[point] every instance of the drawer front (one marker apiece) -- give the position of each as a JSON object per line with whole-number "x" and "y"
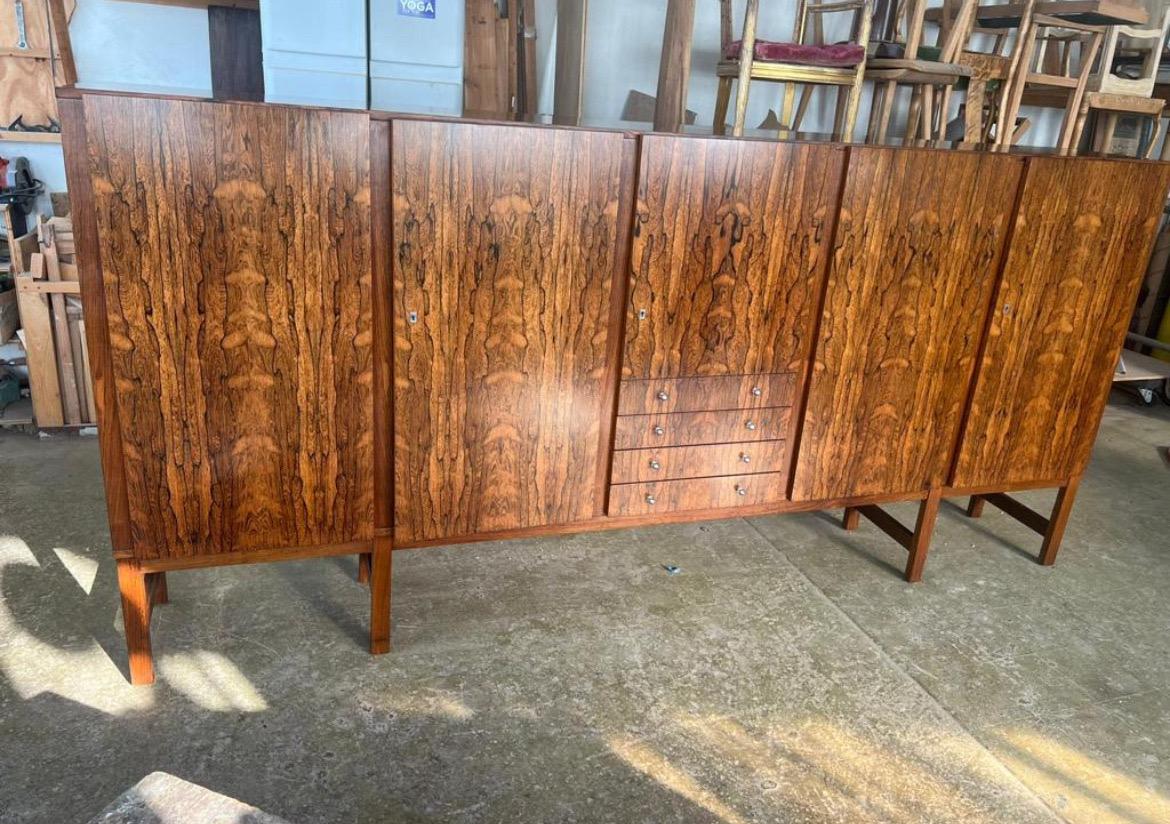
{"x": 685, "y": 428}
{"x": 697, "y": 394}
{"x": 695, "y": 493}
{"x": 633, "y": 465}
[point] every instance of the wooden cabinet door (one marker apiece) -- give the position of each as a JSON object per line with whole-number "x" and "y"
{"x": 729, "y": 253}
{"x": 235, "y": 251}
{"x": 916, "y": 256}
{"x": 506, "y": 239}
{"x": 1079, "y": 251}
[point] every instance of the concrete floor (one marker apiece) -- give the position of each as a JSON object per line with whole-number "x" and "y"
{"x": 786, "y": 674}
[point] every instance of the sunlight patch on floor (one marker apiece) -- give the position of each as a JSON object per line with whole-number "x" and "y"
{"x": 32, "y": 666}
{"x": 211, "y": 681}
{"x": 1086, "y": 789}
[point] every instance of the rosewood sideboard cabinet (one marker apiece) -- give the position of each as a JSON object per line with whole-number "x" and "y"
{"x": 317, "y": 332}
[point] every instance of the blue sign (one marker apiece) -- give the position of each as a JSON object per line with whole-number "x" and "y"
{"x": 417, "y": 8}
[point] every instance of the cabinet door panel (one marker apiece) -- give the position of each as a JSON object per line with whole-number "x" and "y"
{"x": 1079, "y": 251}
{"x": 235, "y": 252}
{"x": 729, "y": 253}
{"x": 917, "y": 250}
{"x": 505, "y": 241}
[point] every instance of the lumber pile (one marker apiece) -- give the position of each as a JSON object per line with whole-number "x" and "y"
{"x": 48, "y": 296}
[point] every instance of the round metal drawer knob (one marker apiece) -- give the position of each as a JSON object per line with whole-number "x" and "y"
{"x": 740, "y": 490}
{"x": 658, "y": 430}
{"x": 751, "y": 425}
{"x": 745, "y": 457}
{"x": 662, "y": 396}
{"x": 757, "y": 391}
{"x": 650, "y": 499}
{"x": 655, "y": 465}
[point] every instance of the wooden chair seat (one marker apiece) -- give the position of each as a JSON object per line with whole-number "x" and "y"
{"x": 795, "y": 72}
{"x": 831, "y": 55}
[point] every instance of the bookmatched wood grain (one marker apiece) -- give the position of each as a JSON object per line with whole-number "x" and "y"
{"x": 916, "y": 257}
{"x": 672, "y": 462}
{"x": 235, "y": 250}
{"x": 729, "y": 255}
{"x": 696, "y": 394}
{"x": 1078, "y": 254}
{"x": 717, "y": 426}
{"x": 696, "y": 494}
{"x": 505, "y": 239}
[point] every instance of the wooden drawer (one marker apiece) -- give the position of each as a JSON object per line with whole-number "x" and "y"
{"x": 698, "y": 394}
{"x": 695, "y": 493}
{"x": 685, "y": 428}
{"x": 632, "y": 465}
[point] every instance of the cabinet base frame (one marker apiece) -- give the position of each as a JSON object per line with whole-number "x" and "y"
{"x": 916, "y": 542}
{"x": 1051, "y": 527}
{"x": 143, "y": 582}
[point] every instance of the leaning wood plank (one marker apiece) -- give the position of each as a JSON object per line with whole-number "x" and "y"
{"x": 570, "y": 61}
{"x": 38, "y": 344}
{"x": 69, "y": 395}
{"x": 78, "y": 362}
{"x": 90, "y": 402}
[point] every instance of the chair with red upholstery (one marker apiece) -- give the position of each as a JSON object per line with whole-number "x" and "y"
{"x": 808, "y": 61}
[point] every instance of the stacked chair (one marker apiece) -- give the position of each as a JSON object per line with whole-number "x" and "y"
{"x": 808, "y": 61}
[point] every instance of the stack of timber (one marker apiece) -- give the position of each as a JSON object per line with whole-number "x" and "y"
{"x": 53, "y": 330}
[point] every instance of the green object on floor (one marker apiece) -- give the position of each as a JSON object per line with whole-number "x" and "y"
{"x": 9, "y": 390}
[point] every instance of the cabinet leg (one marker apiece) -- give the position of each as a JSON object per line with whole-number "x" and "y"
{"x": 156, "y": 584}
{"x": 1057, "y": 521}
{"x": 364, "y": 561}
{"x": 975, "y": 506}
{"x": 851, "y": 518}
{"x": 136, "y": 618}
{"x": 380, "y": 597}
{"x": 920, "y": 543}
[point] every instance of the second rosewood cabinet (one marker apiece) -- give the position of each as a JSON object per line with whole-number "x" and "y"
{"x": 915, "y": 261}
{"x": 506, "y": 242}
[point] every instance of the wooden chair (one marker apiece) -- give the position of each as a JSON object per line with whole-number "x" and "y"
{"x": 1056, "y": 55}
{"x": 1115, "y": 95}
{"x": 808, "y": 61}
{"x": 924, "y": 66}
{"x": 992, "y": 67}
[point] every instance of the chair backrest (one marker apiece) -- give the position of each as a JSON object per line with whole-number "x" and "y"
{"x": 808, "y": 26}
{"x": 1059, "y": 50}
{"x": 1140, "y": 48}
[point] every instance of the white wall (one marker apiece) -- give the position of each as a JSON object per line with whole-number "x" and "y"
{"x": 315, "y": 52}
{"x": 124, "y": 45}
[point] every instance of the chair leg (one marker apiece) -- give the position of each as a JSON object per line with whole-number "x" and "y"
{"x": 1057, "y": 521}
{"x": 380, "y": 597}
{"x": 923, "y": 528}
{"x": 913, "y": 114}
{"x": 1155, "y": 134}
{"x": 136, "y": 620}
{"x": 888, "y": 95}
{"x": 722, "y": 101}
{"x": 806, "y": 92}
{"x": 365, "y": 559}
{"x": 840, "y": 107}
{"x": 1079, "y": 130}
{"x": 786, "y": 104}
{"x": 1107, "y": 132}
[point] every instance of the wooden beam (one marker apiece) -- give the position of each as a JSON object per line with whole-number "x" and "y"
{"x": 888, "y": 524}
{"x": 570, "y": 61}
{"x": 1021, "y": 512}
{"x": 674, "y": 71}
{"x": 60, "y": 22}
